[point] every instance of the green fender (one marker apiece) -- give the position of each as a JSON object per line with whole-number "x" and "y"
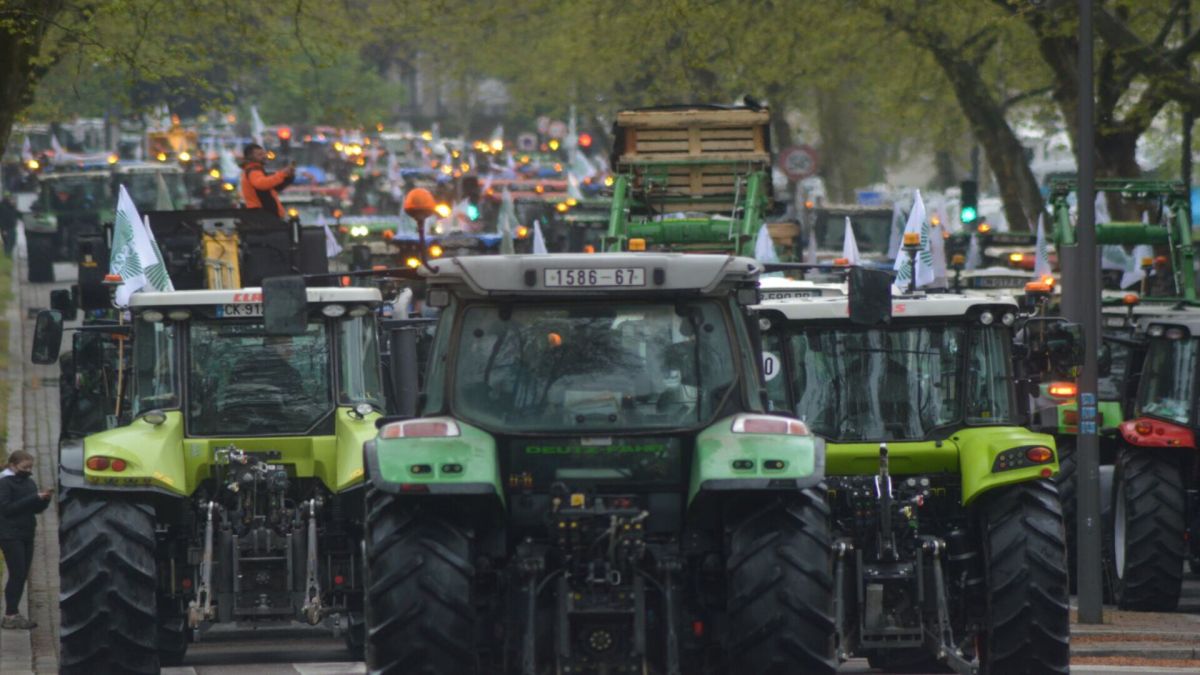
{"x": 978, "y": 448}
{"x": 466, "y": 464}
{"x": 718, "y": 448}
{"x": 1108, "y": 416}
{"x": 159, "y": 457}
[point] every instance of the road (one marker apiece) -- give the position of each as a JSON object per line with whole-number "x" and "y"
{"x": 307, "y": 651}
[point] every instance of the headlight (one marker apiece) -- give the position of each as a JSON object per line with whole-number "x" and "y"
{"x": 986, "y": 318}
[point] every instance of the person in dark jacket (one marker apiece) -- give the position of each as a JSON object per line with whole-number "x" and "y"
{"x": 20, "y": 502}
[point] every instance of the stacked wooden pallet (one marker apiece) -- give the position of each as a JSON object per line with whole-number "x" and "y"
{"x": 695, "y": 159}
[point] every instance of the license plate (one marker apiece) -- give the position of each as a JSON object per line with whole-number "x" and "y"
{"x": 233, "y": 310}
{"x": 593, "y": 278}
{"x": 1000, "y": 282}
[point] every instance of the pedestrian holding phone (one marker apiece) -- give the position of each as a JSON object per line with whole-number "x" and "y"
{"x": 20, "y": 502}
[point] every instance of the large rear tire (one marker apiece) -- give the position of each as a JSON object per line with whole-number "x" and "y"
{"x": 420, "y": 616}
{"x": 1065, "y": 481}
{"x": 1148, "y": 519}
{"x": 1028, "y": 617}
{"x": 108, "y": 581}
{"x": 780, "y": 585}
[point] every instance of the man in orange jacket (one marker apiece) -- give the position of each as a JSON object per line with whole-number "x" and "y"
{"x": 260, "y": 190}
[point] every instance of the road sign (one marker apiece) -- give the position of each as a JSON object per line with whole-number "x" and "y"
{"x": 798, "y": 162}
{"x": 527, "y": 142}
{"x": 558, "y": 129}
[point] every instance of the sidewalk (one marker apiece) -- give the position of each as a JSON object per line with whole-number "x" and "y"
{"x": 33, "y": 423}
{"x": 1149, "y": 639}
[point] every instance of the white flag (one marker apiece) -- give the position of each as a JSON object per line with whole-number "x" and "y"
{"x": 162, "y": 197}
{"x": 26, "y": 150}
{"x": 974, "y": 254}
{"x": 917, "y": 224}
{"x": 573, "y": 190}
{"x": 507, "y": 221}
{"x": 135, "y": 256}
{"x": 1102, "y": 215}
{"x": 1134, "y": 273}
{"x": 332, "y": 247}
{"x": 850, "y": 245}
{"x": 810, "y": 249}
{"x": 894, "y": 236}
{"x": 764, "y": 248}
{"x": 256, "y": 125}
{"x": 539, "y": 242}
{"x": 1041, "y": 255}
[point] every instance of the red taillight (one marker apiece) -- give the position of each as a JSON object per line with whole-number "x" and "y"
{"x": 414, "y": 488}
{"x": 186, "y": 583}
{"x": 1062, "y": 389}
{"x": 117, "y": 465}
{"x": 97, "y": 463}
{"x": 768, "y": 424}
{"x": 1157, "y": 434}
{"x": 1039, "y": 455}
{"x": 433, "y": 427}
{"x": 698, "y": 628}
{"x": 338, "y": 580}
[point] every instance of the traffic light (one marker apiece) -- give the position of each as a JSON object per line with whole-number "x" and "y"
{"x": 969, "y": 212}
{"x": 585, "y": 140}
{"x": 285, "y": 140}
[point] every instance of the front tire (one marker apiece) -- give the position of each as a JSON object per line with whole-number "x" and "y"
{"x": 108, "y": 579}
{"x": 1149, "y": 546}
{"x": 780, "y": 585}
{"x": 420, "y": 616}
{"x": 1028, "y": 616}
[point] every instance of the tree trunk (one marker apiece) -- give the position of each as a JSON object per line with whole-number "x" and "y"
{"x": 23, "y": 29}
{"x": 1005, "y": 154}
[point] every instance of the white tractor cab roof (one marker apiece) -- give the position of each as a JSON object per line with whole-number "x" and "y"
{"x": 945, "y": 305}
{"x": 248, "y": 301}
{"x": 997, "y": 279}
{"x": 782, "y": 289}
{"x": 608, "y": 275}
{"x": 1137, "y": 317}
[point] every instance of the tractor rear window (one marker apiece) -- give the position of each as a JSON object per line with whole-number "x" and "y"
{"x": 243, "y": 382}
{"x": 904, "y": 383}
{"x": 593, "y": 366}
{"x": 1168, "y": 380}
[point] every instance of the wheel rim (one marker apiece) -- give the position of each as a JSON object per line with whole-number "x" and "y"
{"x": 1119, "y": 530}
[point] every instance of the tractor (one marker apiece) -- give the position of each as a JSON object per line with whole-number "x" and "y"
{"x": 948, "y": 539}
{"x": 589, "y": 482}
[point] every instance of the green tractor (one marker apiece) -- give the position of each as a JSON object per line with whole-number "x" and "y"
{"x": 948, "y": 538}
{"x": 591, "y": 483}
{"x": 230, "y": 489}
{"x": 1143, "y": 487}
{"x": 690, "y": 179}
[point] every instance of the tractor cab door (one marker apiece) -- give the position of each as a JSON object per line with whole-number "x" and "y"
{"x": 406, "y": 344}
{"x": 88, "y": 383}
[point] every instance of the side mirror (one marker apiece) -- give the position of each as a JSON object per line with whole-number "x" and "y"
{"x": 870, "y": 296}
{"x": 47, "y": 336}
{"x": 63, "y": 301}
{"x": 285, "y": 306}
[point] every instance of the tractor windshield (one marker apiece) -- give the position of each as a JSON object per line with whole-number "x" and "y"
{"x": 74, "y": 194}
{"x": 589, "y": 367}
{"x": 1168, "y": 380}
{"x": 144, "y": 189}
{"x": 243, "y": 382}
{"x": 903, "y": 383}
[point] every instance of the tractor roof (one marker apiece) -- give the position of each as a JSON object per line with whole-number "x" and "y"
{"x": 948, "y": 305}
{"x": 543, "y": 275}
{"x": 316, "y": 295}
{"x": 1189, "y": 320}
{"x": 779, "y": 289}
